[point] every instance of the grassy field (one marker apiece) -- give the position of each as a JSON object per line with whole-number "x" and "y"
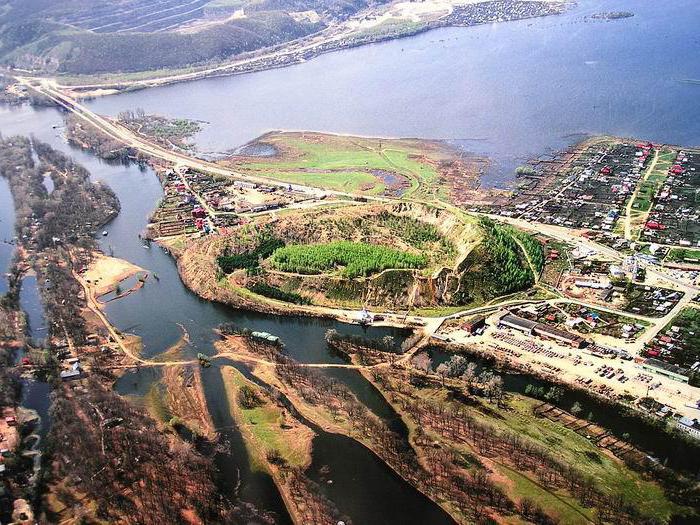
{"x": 648, "y": 188}
{"x": 681, "y": 254}
{"x": 262, "y": 427}
{"x": 369, "y": 166}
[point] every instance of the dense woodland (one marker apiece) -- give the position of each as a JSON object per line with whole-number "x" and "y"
{"x": 497, "y": 266}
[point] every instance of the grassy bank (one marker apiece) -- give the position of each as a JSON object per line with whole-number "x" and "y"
{"x": 369, "y": 166}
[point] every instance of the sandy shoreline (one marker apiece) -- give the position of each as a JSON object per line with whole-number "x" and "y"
{"x": 105, "y": 273}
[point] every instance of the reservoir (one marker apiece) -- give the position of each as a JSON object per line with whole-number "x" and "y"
{"x": 512, "y": 91}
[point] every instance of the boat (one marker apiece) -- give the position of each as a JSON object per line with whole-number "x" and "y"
{"x": 104, "y": 233}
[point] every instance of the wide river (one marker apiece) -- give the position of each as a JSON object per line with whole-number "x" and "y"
{"x": 512, "y": 91}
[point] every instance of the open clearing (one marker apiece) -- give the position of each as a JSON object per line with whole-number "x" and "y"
{"x": 370, "y": 166}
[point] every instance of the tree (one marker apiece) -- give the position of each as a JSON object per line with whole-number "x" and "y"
{"x": 456, "y": 366}
{"x": 554, "y": 394}
{"x": 423, "y": 362}
{"x": 494, "y": 388}
{"x": 576, "y": 408}
{"x": 443, "y": 370}
{"x": 525, "y": 170}
{"x": 469, "y": 376}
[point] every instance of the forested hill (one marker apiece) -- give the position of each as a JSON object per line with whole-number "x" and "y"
{"x": 99, "y": 36}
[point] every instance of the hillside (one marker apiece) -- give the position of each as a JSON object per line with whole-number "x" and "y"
{"x": 85, "y": 36}
{"x": 67, "y": 37}
{"x": 385, "y": 256}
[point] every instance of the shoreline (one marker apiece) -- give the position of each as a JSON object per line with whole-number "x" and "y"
{"x": 281, "y": 56}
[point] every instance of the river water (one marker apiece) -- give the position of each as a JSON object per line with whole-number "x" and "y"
{"x": 160, "y": 310}
{"x": 512, "y": 91}
{"x": 7, "y": 231}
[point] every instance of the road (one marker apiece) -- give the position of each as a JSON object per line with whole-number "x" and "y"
{"x": 431, "y": 325}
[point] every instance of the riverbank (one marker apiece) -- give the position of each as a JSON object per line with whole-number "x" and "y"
{"x": 420, "y": 401}
{"x": 374, "y": 25}
{"x": 104, "y": 273}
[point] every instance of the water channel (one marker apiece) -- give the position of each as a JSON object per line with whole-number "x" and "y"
{"x": 512, "y": 91}
{"x": 157, "y": 312}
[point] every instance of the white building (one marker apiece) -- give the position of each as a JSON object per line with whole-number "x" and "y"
{"x": 690, "y": 426}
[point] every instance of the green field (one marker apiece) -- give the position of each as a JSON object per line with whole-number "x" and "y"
{"x": 397, "y": 167}
{"x": 682, "y": 254}
{"x": 654, "y": 181}
{"x": 262, "y": 425}
{"x": 354, "y": 259}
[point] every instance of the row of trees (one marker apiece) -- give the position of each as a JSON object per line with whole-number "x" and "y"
{"x": 356, "y": 259}
{"x": 458, "y": 367}
{"x": 456, "y": 424}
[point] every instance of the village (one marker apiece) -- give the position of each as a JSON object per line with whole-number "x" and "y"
{"x": 196, "y": 204}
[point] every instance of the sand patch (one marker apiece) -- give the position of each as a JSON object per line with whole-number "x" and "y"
{"x": 104, "y": 273}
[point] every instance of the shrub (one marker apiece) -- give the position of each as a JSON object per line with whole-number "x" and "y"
{"x": 273, "y": 292}
{"x": 249, "y": 399}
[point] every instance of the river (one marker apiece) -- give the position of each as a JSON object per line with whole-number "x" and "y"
{"x": 158, "y": 310}
{"x": 7, "y": 231}
{"x": 512, "y": 91}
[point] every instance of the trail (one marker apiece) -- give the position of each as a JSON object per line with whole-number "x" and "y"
{"x": 535, "y": 273}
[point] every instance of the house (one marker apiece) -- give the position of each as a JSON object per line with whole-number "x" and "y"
{"x": 689, "y": 426}
{"x": 596, "y": 285}
{"x": 474, "y": 324}
{"x": 265, "y": 336}
{"x": 517, "y": 323}
{"x": 677, "y": 169}
{"x": 74, "y": 372}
